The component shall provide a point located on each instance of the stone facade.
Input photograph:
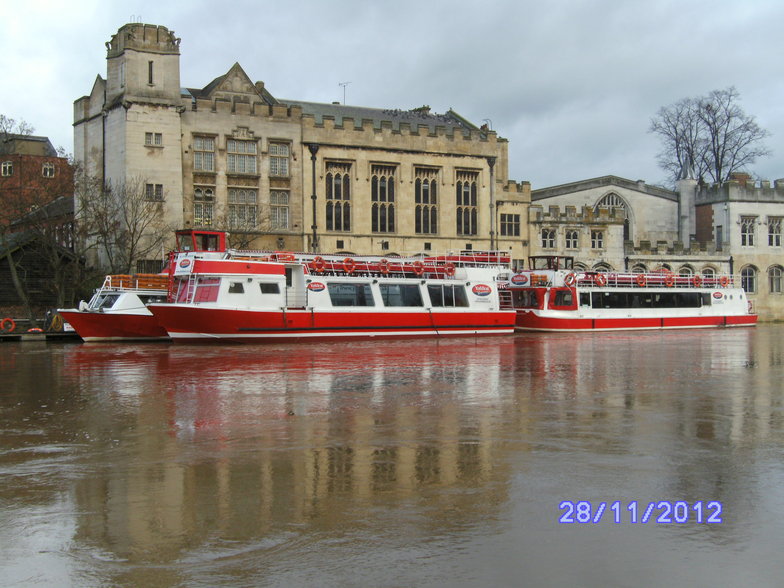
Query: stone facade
(731, 228)
(232, 156)
(745, 220)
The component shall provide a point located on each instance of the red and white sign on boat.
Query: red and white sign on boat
(553, 296)
(304, 296)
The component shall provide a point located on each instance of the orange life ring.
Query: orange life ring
(318, 264)
(669, 280)
(419, 267)
(7, 326)
(349, 265)
(570, 279)
(697, 280)
(724, 281)
(35, 330)
(641, 280)
(600, 280)
(449, 269)
(383, 266)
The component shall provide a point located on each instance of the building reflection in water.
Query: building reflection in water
(189, 450)
(246, 440)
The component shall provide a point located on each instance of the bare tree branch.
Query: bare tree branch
(711, 134)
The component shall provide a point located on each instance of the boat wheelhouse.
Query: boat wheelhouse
(552, 296)
(305, 296)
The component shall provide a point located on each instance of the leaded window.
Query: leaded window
(510, 225)
(204, 154)
(597, 239)
(7, 168)
(548, 238)
(748, 230)
(338, 196)
(572, 239)
(241, 156)
(748, 279)
(203, 206)
(279, 159)
(242, 208)
(153, 191)
(47, 170)
(466, 200)
(382, 196)
(774, 231)
(279, 209)
(426, 201)
(775, 274)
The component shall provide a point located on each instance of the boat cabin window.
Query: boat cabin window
(236, 288)
(585, 299)
(350, 294)
(289, 279)
(525, 299)
(401, 295)
(152, 298)
(106, 301)
(562, 298)
(447, 295)
(646, 299)
(207, 290)
(267, 288)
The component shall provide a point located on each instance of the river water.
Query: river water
(427, 463)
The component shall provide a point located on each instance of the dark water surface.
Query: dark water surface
(427, 463)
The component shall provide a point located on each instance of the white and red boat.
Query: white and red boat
(553, 296)
(118, 309)
(305, 296)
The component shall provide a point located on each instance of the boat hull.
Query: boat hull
(194, 323)
(531, 321)
(106, 326)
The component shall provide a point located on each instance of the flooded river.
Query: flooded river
(634, 459)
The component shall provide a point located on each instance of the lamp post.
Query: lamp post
(314, 245)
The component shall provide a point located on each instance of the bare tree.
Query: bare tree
(123, 222)
(12, 205)
(9, 126)
(711, 134)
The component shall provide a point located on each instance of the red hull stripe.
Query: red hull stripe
(533, 322)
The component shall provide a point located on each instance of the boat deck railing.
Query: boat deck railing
(136, 282)
(652, 280)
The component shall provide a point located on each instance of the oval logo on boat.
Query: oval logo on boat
(718, 295)
(519, 279)
(316, 286)
(482, 290)
(185, 262)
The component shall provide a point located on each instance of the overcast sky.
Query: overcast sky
(571, 84)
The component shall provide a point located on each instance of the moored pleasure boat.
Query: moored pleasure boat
(118, 309)
(305, 296)
(552, 296)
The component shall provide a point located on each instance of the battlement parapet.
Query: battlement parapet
(741, 189)
(371, 128)
(571, 215)
(675, 248)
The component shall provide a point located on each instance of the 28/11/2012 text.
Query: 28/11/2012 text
(662, 512)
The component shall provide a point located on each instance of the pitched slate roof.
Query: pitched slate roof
(415, 117)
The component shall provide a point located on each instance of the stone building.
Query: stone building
(289, 174)
(613, 224)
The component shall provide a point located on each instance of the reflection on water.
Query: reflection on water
(390, 463)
